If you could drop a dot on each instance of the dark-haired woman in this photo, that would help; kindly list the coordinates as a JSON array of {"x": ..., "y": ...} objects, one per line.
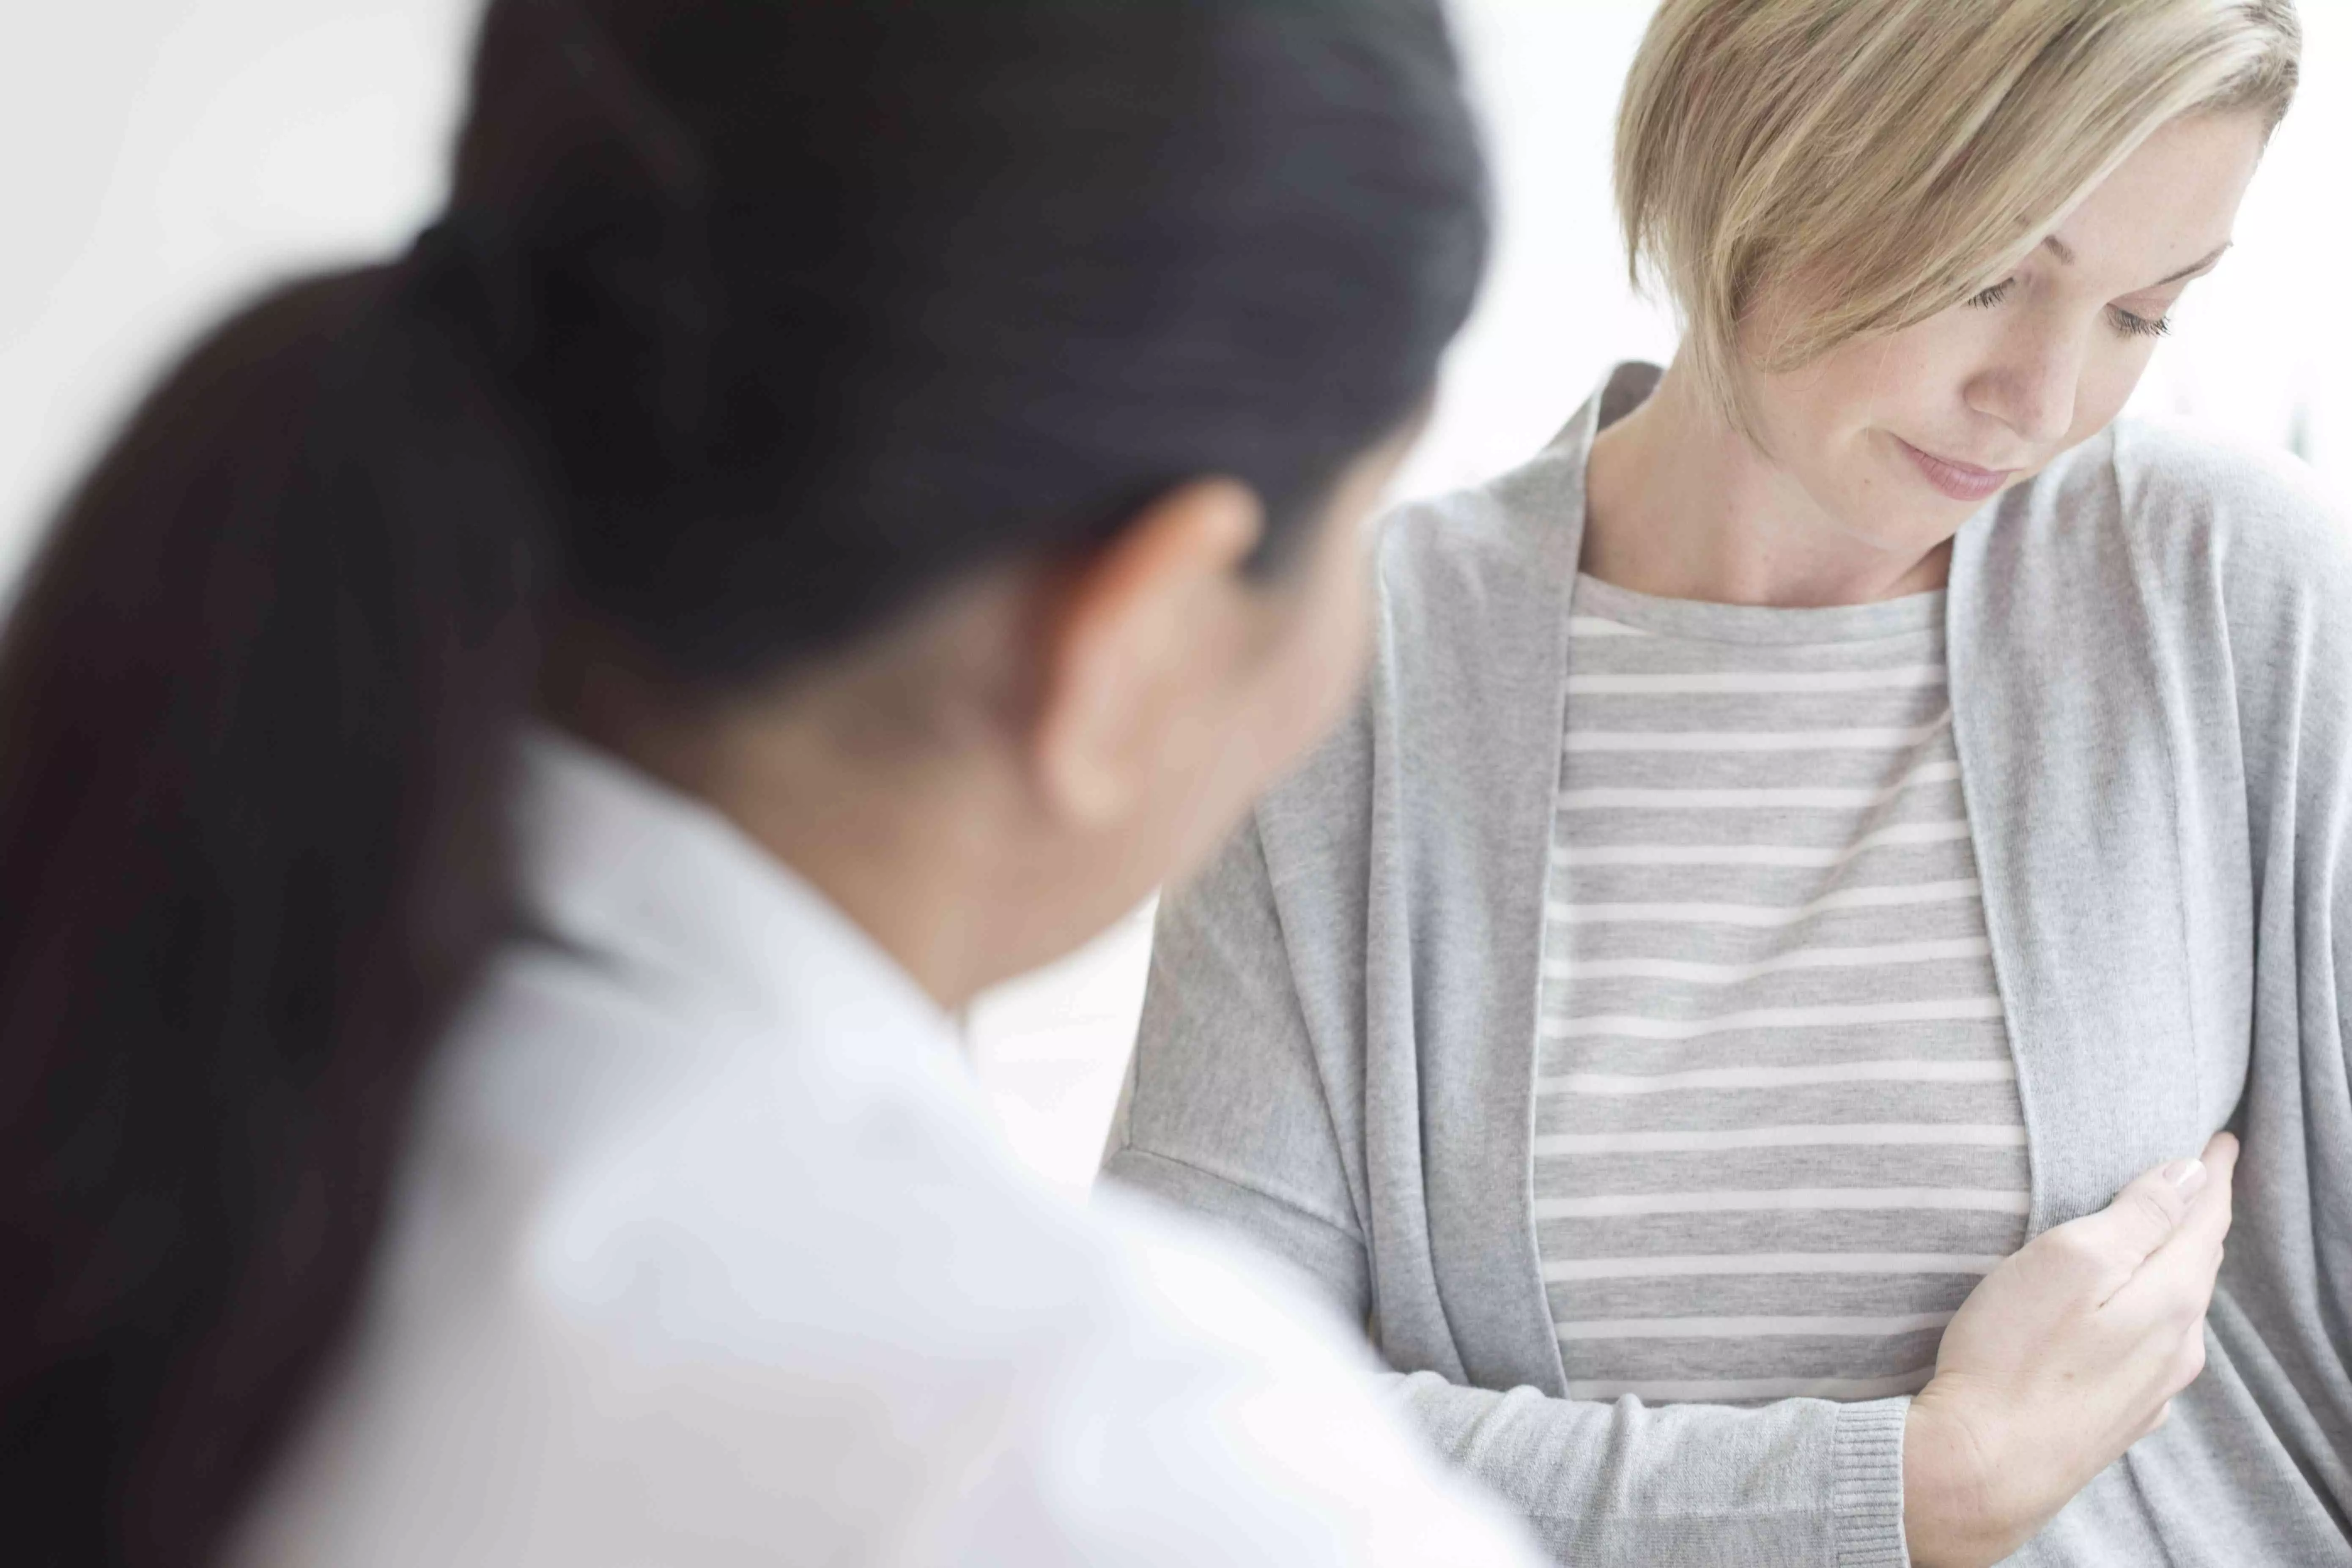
[{"x": 514, "y": 753}]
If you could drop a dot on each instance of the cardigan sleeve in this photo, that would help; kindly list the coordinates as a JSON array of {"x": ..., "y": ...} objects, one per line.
[
  {"x": 2286, "y": 576},
  {"x": 1231, "y": 1112},
  {"x": 1223, "y": 1113}
]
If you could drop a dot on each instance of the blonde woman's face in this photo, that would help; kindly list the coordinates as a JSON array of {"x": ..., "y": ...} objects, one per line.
[{"x": 1900, "y": 439}]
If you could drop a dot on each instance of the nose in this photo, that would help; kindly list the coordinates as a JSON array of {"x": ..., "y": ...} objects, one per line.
[{"x": 2031, "y": 383}]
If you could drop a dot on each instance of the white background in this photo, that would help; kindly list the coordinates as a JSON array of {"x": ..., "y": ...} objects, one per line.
[{"x": 165, "y": 157}]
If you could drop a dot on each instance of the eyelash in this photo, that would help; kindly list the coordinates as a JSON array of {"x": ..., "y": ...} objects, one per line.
[{"x": 2129, "y": 325}]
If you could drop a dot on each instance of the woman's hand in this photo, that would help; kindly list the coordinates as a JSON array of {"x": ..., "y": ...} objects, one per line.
[{"x": 2064, "y": 1356}]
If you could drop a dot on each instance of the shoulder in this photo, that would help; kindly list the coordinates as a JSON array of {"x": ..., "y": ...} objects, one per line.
[
  {"x": 2164, "y": 530},
  {"x": 1526, "y": 520},
  {"x": 2254, "y": 523},
  {"x": 878, "y": 1291},
  {"x": 643, "y": 1240},
  {"x": 2227, "y": 568},
  {"x": 1471, "y": 602},
  {"x": 1464, "y": 583},
  {"x": 1452, "y": 547},
  {"x": 624, "y": 1156},
  {"x": 774, "y": 1287},
  {"x": 769, "y": 1153},
  {"x": 2175, "y": 463}
]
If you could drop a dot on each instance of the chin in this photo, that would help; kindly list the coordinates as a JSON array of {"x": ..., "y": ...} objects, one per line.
[{"x": 1918, "y": 530}]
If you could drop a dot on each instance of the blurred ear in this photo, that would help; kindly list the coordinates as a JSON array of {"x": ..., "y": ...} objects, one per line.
[{"x": 1144, "y": 636}]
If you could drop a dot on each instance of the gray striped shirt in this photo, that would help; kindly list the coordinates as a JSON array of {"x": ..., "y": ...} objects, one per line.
[{"x": 1778, "y": 1131}]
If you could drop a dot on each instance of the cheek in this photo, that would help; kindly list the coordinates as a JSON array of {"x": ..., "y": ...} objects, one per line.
[
  {"x": 1819, "y": 419},
  {"x": 2109, "y": 381},
  {"x": 1829, "y": 445},
  {"x": 1916, "y": 380}
]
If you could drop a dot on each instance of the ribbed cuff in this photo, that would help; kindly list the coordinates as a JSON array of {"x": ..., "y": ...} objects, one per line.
[{"x": 1867, "y": 1450}]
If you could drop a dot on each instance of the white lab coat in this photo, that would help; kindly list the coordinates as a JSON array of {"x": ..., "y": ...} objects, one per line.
[{"x": 707, "y": 1252}]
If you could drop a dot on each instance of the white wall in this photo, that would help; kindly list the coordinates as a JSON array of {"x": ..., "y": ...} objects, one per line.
[{"x": 164, "y": 157}]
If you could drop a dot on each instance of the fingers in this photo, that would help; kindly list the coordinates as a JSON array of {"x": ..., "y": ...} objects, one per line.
[
  {"x": 2200, "y": 1232},
  {"x": 2145, "y": 1214},
  {"x": 2175, "y": 1285},
  {"x": 2221, "y": 1160},
  {"x": 2185, "y": 1267},
  {"x": 2210, "y": 1213},
  {"x": 2177, "y": 1213}
]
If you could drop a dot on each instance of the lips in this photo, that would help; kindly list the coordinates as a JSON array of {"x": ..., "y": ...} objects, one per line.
[{"x": 1960, "y": 481}]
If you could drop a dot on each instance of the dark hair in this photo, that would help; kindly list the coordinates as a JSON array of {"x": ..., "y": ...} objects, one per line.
[{"x": 748, "y": 322}]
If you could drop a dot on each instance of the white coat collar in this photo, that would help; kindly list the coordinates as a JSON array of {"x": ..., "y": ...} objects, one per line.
[{"x": 613, "y": 862}]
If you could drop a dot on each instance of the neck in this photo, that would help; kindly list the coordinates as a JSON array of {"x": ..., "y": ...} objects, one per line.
[
  {"x": 1681, "y": 504},
  {"x": 902, "y": 855},
  {"x": 902, "y": 844}
]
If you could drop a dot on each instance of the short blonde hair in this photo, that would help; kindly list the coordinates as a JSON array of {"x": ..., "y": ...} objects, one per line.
[{"x": 1891, "y": 158}]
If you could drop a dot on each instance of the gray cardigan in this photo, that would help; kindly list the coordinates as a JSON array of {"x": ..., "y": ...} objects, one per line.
[{"x": 2151, "y": 661}]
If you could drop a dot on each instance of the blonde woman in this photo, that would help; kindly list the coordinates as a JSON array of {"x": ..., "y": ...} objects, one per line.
[{"x": 1816, "y": 834}]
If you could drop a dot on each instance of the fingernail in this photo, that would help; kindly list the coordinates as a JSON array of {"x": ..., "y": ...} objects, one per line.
[{"x": 2188, "y": 1176}]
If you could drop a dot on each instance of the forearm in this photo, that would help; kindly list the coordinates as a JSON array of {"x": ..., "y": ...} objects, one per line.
[
  {"x": 1804, "y": 1481},
  {"x": 1800, "y": 1483}
]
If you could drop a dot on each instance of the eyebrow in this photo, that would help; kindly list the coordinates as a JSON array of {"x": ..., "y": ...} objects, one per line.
[{"x": 2066, "y": 253}]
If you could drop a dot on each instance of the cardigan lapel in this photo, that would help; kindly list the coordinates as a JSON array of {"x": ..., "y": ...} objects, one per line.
[
  {"x": 2067, "y": 737},
  {"x": 1467, "y": 754}
]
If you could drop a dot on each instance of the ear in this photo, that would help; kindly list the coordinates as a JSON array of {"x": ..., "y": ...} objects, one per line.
[{"x": 1140, "y": 632}]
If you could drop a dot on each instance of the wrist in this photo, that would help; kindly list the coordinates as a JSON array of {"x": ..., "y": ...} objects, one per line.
[
  {"x": 1953, "y": 1513},
  {"x": 1867, "y": 1484}
]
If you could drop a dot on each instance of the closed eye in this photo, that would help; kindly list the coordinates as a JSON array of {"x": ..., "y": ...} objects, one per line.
[{"x": 2128, "y": 323}]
